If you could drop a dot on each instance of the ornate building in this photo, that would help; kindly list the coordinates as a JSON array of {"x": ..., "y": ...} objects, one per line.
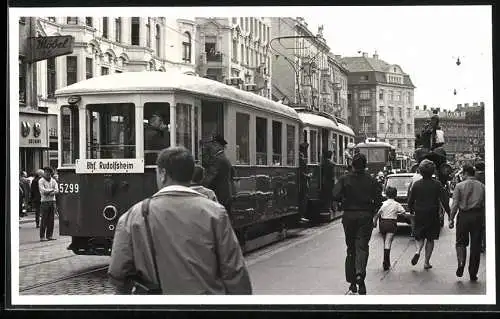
[
  {"x": 235, "y": 51},
  {"x": 380, "y": 100}
]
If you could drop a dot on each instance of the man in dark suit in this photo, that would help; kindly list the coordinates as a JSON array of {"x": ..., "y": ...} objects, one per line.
[
  {"x": 220, "y": 173},
  {"x": 327, "y": 181}
]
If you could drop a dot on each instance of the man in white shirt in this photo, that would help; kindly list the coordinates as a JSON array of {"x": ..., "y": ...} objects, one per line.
[{"x": 48, "y": 190}]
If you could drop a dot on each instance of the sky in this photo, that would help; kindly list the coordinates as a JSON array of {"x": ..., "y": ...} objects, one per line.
[{"x": 425, "y": 42}]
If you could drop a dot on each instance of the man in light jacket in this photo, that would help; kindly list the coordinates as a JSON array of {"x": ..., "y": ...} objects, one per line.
[
  {"x": 48, "y": 190},
  {"x": 196, "y": 249}
]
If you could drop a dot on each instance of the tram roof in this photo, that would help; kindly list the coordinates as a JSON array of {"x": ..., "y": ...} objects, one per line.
[
  {"x": 129, "y": 82},
  {"x": 317, "y": 120},
  {"x": 374, "y": 144},
  {"x": 346, "y": 129}
]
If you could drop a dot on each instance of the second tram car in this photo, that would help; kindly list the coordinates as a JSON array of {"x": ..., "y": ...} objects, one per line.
[
  {"x": 379, "y": 155},
  {"x": 112, "y": 128}
]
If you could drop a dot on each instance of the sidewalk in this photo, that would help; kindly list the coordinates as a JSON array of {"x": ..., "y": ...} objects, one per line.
[{"x": 29, "y": 218}]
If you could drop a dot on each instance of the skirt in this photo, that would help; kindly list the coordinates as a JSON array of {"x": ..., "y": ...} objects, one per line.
[{"x": 388, "y": 226}]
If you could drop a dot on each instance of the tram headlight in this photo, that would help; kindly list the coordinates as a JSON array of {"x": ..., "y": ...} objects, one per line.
[{"x": 109, "y": 212}]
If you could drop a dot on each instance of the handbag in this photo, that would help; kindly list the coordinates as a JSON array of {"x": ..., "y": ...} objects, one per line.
[{"x": 140, "y": 285}]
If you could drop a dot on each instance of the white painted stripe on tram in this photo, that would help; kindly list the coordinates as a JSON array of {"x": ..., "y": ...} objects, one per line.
[{"x": 309, "y": 236}]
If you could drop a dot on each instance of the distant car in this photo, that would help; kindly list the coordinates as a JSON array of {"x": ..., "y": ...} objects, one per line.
[{"x": 401, "y": 182}]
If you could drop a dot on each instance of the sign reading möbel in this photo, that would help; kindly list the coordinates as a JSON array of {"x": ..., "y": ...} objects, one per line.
[
  {"x": 48, "y": 47},
  {"x": 109, "y": 166}
]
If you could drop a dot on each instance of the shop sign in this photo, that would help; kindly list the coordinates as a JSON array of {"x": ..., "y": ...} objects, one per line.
[
  {"x": 43, "y": 48},
  {"x": 34, "y": 132},
  {"x": 109, "y": 166}
]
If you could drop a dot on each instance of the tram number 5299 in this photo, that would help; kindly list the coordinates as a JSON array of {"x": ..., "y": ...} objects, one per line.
[{"x": 68, "y": 188}]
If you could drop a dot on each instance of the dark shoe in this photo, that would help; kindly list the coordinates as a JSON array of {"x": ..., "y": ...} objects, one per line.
[
  {"x": 362, "y": 288},
  {"x": 50, "y": 238},
  {"x": 353, "y": 288},
  {"x": 473, "y": 278},
  {"x": 427, "y": 266},
  {"x": 415, "y": 258},
  {"x": 37, "y": 225},
  {"x": 460, "y": 271},
  {"x": 42, "y": 239},
  {"x": 386, "y": 265}
]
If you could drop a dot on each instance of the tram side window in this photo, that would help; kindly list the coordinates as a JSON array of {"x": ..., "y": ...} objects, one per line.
[
  {"x": 277, "y": 143},
  {"x": 313, "y": 147},
  {"x": 376, "y": 155},
  {"x": 183, "y": 121},
  {"x": 70, "y": 134},
  {"x": 242, "y": 138},
  {"x": 341, "y": 149},
  {"x": 261, "y": 140},
  {"x": 334, "y": 147},
  {"x": 111, "y": 130},
  {"x": 290, "y": 145},
  {"x": 156, "y": 130}
]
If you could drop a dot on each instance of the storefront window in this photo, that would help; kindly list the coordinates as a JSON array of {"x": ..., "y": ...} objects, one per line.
[
  {"x": 70, "y": 134},
  {"x": 242, "y": 138},
  {"x": 111, "y": 130},
  {"x": 261, "y": 140},
  {"x": 156, "y": 130},
  {"x": 290, "y": 145},
  {"x": 183, "y": 122},
  {"x": 277, "y": 143}
]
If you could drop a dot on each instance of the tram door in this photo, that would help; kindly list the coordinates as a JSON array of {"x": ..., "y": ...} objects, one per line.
[
  {"x": 212, "y": 121},
  {"x": 324, "y": 141}
]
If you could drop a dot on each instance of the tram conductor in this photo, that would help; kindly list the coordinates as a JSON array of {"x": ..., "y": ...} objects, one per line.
[{"x": 219, "y": 172}]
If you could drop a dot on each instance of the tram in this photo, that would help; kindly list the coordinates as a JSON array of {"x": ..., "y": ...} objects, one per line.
[
  {"x": 322, "y": 132},
  {"x": 112, "y": 127},
  {"x": 379, "y": 155}
]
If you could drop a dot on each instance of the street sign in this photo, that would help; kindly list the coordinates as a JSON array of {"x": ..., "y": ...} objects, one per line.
[{"x": 43, "y": 48}]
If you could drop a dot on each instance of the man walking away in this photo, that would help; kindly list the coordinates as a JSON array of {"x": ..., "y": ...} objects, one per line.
[
  {"x": 480, "y": 177},
  {"x": 327, "y": 182},
  {"x": 196, "y": 249},
  {"x": 48, "y": 190},
  {"x": 35, "y": 196},
  {"x": 361, "y": 197},
  {"x": 468, "y": 200},
  {"x": 198, "y": 174}
]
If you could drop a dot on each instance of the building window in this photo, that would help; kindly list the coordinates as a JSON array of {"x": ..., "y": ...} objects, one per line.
[
  {"x": 148, "y": 33},
  {"x": 235, "y": 51},
  {"x": 89, "y": 68},
  {"x": 22, "y": 82},
  {"x": 71, "y": 68},
  {"x": 248, "y": 56},
  {"x": 363, "y": 78},
  {"x": 408, "y": 129},
  {"x": 364, "y": 95},
  {"x": 89, "y": 22},
  {"x": 72, "y": 20},
  {"x": 158, "y": 40},
  {"x": 135, "y": 31},
  {"x": 51, "y": 77},
  {"x": 261, "y": 140},
  {"x": 277, "y": 143},
  {"x": 408, "y": 98},
  {"x": 105, "y": 27},
  {"x": 118, "y": 29},
  {"x": 381, "y": 95},
  {"x": 391, "y": 95},
  {"x": 104, "y": 70},
  {"x": 242, "y": 138},
  {"x": 398, "y": 96},
  {"x": 186, "y": 48}
]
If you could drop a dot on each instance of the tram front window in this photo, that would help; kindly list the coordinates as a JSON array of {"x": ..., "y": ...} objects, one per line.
[
  {"x": 156, "y": 130},
  {"x": 111, "y": 130}
]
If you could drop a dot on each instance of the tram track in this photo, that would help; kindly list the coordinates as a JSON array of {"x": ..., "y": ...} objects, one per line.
[
  {"x": 90, "y": 271},
  {"x": 46, "y": 261}
]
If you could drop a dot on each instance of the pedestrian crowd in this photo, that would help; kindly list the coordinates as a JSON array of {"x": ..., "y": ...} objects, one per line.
[{"x": 39, "y": 192}]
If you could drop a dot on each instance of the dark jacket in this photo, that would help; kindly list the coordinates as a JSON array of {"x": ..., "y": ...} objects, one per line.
[
  {"x": 426, "y": 195},
  {"x": 358, "y": 191},
  {"x": 219, "y": 178},
  {"x": 35, "y": 190},
  {"x": 327, "y": 176},
  {"x": 480, "y": 176}
]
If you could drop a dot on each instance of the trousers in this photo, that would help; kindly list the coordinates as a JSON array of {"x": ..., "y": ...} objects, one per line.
[
  {"x": 47, "y": 210},
  {"x": 36, "y": 206},
  {"x": 358, "y": 226},
  {"x": 469, "y": 226}
]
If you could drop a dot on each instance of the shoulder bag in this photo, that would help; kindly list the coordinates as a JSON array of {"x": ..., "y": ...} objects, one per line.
[{"x": 140, "y": 285}]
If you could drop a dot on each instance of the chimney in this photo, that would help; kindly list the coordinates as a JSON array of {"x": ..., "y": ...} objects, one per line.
[
  {"x": 475, "y": 104},
  {"x": 365, "y": 55},
  {"x": 375, "y": 55},
  {"x": 425, "y": 107},
  {"x": 459, "y": 106},
  {"x": 481, "y": 104},
  {"x": 466, "y": 105}
]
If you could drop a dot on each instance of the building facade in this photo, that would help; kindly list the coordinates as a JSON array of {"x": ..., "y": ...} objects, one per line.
[
  {"x": 380, "y": 102},
  {"x": 235, "y": 51},
  {"x": 103, "y": 45},
  {"x": 337, "y": 88},
  {"x": 463, "y": 129}
]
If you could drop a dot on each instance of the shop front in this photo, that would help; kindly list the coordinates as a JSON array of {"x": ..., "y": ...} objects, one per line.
[{"x": 33, "y": 140}]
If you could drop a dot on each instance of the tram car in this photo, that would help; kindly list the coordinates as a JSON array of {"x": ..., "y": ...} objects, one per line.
[
  {"x": 112, "y": 128},
  {"x": 379, "y": 155}
]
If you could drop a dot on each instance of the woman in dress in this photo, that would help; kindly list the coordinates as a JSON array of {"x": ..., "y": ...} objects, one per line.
[{"x": 424, "y": 201}]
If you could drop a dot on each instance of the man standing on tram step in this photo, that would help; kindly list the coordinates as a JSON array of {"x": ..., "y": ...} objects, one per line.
[
  {"x": 480, "y": 177},
  {"x": 196, "y": 249},
  {"x": 327, "y": 181},
  {"x": 303, "y": 181},
  {"x": 48, "y": 190},
  {"x": 35, "y": 196},
  {"x": 468, "y": 200},
  {"x": 361, "y": 197},
  {"x": 219, "y": 172}
]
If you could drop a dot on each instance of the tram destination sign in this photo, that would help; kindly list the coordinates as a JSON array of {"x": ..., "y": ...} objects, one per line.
[
  {"x": 109, "y": 166},
  {"x": 42, "y": 48}
]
